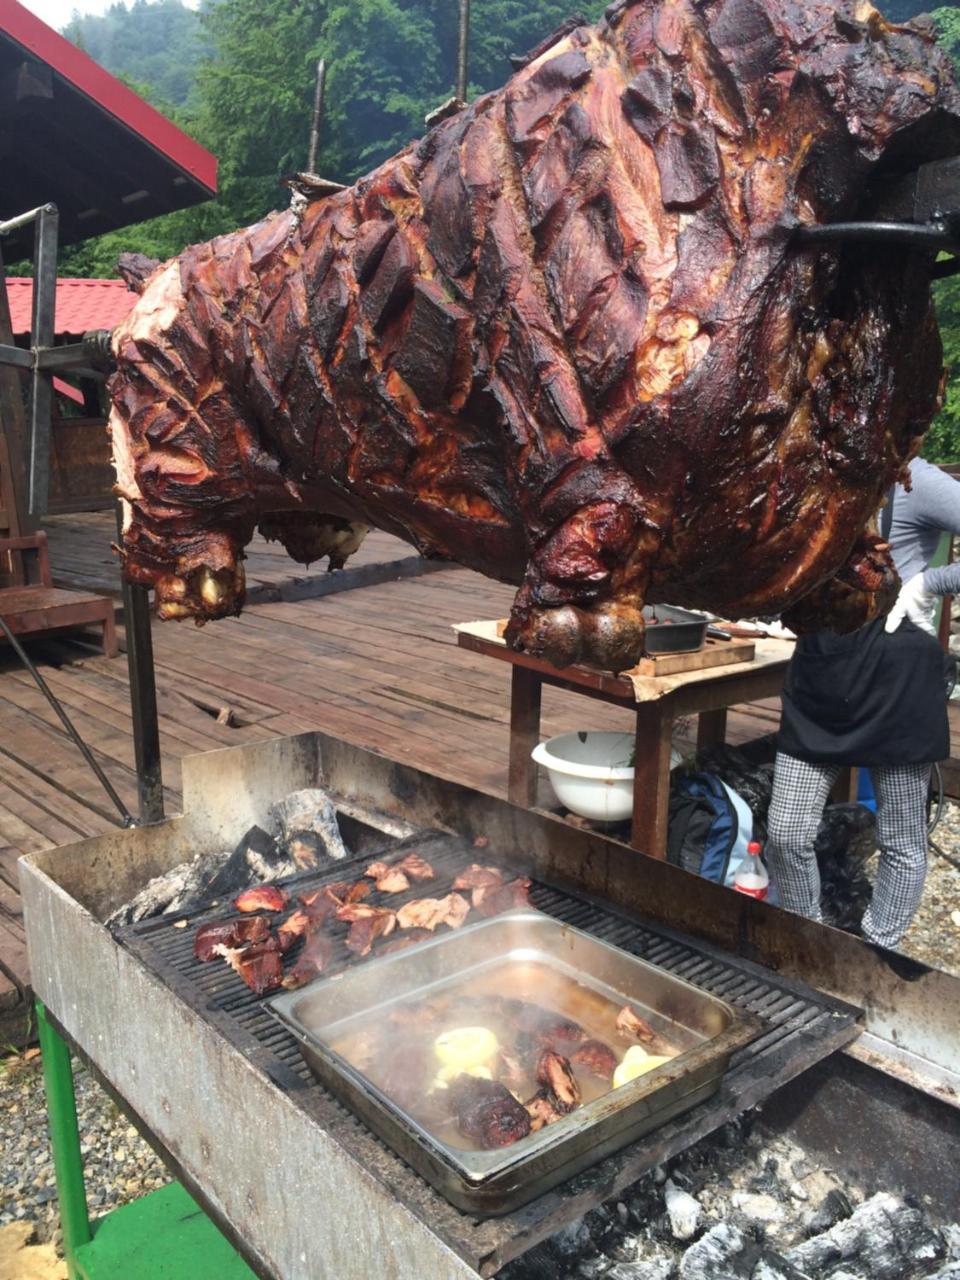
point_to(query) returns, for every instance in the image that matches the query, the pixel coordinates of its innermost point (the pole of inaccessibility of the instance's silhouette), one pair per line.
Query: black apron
(866, 699)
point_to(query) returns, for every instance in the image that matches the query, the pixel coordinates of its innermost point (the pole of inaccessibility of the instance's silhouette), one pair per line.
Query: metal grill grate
(803, 1027)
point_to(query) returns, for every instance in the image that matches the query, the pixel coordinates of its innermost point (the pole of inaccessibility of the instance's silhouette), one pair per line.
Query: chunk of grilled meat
(555, 1074)
(541, 1111)
(493, 899)
(365, 930)
(229, 933)
(596, 1057)
(487, 1112)
(298, 923)
(313, 960)
(477, 877)
(415, 867)
(260, 964)
(393, 881)
(570, 339)
(377, 869)
(428, 913)
(321, 904)
(630, 1026)
(262, 897)
(540, 1028)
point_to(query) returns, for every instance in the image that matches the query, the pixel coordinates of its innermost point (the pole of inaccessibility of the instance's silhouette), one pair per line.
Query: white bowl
(591, 773)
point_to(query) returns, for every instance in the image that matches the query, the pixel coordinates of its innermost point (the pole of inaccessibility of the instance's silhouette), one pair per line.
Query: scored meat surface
(570, 339)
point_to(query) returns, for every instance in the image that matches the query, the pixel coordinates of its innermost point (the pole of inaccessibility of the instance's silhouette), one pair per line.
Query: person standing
(874, 698)
(913, 523)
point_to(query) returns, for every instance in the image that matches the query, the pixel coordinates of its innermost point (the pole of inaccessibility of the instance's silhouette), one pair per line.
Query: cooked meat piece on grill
(477, 877)
(263, 897)
(365, 930)
(493, 900)
(353, 892)
(377, 870)
(353, 911)
(229, 933)
(313, 960)
(428, 913)
(570, 338)
(487, 1112)
(541, 1111)
(596, 1057)
(298, 923)
(416, 868)
(556, 1075)
(409, 938)
(394, 881)
(320, 905)
(260, 964)
(631, 1026)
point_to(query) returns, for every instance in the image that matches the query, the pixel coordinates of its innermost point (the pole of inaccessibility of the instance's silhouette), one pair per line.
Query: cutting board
(715, 653)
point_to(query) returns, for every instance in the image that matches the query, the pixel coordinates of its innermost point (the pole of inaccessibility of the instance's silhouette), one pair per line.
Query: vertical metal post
(143, 695)
(317, 122)
(43, 328)
(64, 1140)
(463, 44)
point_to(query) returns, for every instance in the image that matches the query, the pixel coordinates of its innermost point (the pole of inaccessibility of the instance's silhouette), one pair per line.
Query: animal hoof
(609, 636)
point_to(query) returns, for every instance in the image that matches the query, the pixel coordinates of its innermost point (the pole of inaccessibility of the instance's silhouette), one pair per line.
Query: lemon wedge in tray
(464, 1047)
(637, 1062)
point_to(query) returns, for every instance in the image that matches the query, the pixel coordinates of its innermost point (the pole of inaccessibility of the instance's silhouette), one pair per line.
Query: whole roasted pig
(570, 338)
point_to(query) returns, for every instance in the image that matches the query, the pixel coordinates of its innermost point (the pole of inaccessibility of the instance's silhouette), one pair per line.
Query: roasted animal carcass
(570, 338)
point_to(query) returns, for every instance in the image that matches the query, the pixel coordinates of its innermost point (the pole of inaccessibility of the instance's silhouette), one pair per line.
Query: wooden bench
(32, 605)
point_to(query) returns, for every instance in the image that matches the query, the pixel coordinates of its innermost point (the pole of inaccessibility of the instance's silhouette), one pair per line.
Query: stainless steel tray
(672, 630)
(495, 1182)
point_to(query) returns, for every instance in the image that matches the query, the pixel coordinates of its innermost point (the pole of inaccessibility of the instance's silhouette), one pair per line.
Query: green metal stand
(163, 1236)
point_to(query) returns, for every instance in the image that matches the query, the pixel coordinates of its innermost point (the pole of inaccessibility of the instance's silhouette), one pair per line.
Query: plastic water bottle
(751, 876)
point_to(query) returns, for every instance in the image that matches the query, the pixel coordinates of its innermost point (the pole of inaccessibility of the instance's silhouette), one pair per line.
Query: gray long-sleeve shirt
(920, 518)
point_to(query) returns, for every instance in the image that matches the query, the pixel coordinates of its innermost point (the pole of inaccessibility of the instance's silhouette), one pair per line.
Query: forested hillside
(238, 75)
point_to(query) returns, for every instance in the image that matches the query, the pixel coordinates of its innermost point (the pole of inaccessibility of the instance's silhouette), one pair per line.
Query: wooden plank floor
(82, 555)
(377, 665)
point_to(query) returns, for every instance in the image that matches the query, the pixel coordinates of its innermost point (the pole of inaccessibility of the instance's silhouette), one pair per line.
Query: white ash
(306, 826)
(766, 1210)
(304, 829)
(683, 1210)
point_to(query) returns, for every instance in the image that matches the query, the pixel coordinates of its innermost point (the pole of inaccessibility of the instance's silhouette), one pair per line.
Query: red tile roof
(81, 304)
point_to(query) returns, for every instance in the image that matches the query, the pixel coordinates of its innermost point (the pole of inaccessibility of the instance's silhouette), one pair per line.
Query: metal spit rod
(128, 818)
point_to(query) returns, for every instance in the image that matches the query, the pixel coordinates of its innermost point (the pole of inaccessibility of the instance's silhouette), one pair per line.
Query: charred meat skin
(313, 960)
(541, 1111)
(554, 1073)
(493, 899)
(568, 339)
(229, 933)
(596, 1057)
(263, 897)
(260, 964)
(487, 1112)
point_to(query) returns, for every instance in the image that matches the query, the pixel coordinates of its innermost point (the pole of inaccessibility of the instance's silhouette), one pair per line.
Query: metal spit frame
(133, 1027)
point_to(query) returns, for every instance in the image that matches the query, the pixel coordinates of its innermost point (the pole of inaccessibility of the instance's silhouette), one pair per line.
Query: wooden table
(658, 702)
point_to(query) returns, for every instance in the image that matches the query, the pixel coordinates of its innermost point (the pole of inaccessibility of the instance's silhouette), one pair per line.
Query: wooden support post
(651, 783)
(711, 728)
(526, 691)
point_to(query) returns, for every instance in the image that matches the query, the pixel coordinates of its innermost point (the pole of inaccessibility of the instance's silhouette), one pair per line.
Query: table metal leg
(651, 784)
(526, 690)
(711, 728)
(64, 1140)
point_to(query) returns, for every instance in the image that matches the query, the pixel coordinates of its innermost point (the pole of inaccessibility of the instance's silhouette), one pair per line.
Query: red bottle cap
(754, 847)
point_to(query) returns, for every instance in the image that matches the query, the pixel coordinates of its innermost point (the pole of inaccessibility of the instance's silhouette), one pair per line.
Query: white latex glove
(914, 602)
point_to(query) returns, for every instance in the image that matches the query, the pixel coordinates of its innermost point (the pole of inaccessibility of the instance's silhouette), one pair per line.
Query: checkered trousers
(800, 792)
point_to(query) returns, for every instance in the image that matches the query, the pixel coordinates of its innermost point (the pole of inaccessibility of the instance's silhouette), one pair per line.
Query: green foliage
(159, 42)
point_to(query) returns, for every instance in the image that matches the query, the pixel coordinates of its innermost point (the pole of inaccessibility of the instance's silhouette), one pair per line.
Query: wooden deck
(377, 665)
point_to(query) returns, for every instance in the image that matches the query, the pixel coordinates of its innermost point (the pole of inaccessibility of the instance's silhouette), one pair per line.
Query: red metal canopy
(75, 136)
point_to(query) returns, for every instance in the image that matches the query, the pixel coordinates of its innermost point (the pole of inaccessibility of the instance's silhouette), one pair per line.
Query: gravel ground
(934, 936)
(120, 1166)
